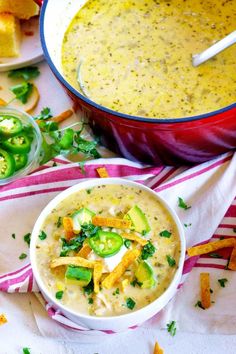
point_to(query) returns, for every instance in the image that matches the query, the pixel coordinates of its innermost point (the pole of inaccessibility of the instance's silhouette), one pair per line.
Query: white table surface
(22, 331)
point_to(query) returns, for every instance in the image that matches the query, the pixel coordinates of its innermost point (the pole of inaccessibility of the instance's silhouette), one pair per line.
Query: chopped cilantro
(211, 291)
(171, 328)
(54, 164)
(130, 303)
(90, 300)
(182, 204)
(88, 191)
(73, 244)
(148, 251)
(42, 235)
(87, 147)
(127, 243)
(116, 292)
(136, 282)
(89, 230)
(22, 91)
(171, 261)
(27, 238)
(144, 232)
(44, 114)
(48, 126)
(165, 233)
(26, 350)
(59, 295)
(23, 256)
(13, 236)
(187, 225)
(88, 289)
(27, 73)
(222, 282)
(215, 255)
(199, 304)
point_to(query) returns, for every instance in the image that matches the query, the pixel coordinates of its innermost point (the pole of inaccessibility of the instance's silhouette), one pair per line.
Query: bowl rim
(167, 294)
(26, 169)
(108, 110)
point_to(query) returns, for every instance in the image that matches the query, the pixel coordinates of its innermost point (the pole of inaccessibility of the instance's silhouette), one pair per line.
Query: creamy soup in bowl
(108, 253)
(134, 56)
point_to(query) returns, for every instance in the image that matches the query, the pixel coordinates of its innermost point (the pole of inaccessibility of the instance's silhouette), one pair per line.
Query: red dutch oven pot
(179, 141)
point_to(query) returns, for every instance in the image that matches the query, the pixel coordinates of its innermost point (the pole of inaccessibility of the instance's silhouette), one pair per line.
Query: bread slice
(22, 9)
(9, 35)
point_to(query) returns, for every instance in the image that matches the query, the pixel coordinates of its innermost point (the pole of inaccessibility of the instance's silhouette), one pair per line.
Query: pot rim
(166, 295)
(107, 110)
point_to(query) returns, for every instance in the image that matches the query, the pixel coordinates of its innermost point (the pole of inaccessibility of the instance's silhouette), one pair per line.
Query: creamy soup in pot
(134, 56)
(108, 250)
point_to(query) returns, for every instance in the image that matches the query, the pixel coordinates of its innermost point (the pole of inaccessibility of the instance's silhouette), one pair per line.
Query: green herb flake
(88, 289)
(187, 225)
(171, 328)
(42, 235)
(23, 256)
(59, 222)
(144, 232)
(59, 295)
(130, 303)
(148, 251)
(22, 91)
(127, 243)
(215, 255)
(116, 292)
(54, 164)
(171, 261)
(27, 73)
(165, 233)
(182, 204)
(136, 282)
(26, 350)
(13, 236)
(27, 238)
(44, 114)
(90, 300)
(88, 191)
(199, 304)
(211, 291)
(222, 282)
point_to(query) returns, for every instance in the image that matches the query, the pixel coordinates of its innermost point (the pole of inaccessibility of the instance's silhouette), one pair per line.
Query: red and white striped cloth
(209, 188)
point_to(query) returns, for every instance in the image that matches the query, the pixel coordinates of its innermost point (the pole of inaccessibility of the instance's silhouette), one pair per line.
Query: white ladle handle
(215, 49)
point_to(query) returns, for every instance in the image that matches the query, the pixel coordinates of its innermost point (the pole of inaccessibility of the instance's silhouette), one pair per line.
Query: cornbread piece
(21, 9)
(9, 36)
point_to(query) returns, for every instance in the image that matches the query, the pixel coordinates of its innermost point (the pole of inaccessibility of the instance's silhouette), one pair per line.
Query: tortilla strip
(157, 349)
(84, 251)
(33, 101)
(3, 319)
(97, 274)
(134, 237)
(111, 222)
(68, 227)
(205, 290)
(119, 270)
(232, 261)
(62, 116)
(102, 172)
(76, 261)
(211, 247)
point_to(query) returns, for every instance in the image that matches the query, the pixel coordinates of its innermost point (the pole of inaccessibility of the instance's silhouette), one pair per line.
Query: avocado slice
(145, 275)
(81, 217)
(138, 219)
(78, 275)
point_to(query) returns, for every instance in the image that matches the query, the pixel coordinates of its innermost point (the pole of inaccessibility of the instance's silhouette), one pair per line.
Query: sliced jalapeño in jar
(105, 243)
(10, 126)
(17, 144)
(7, 164)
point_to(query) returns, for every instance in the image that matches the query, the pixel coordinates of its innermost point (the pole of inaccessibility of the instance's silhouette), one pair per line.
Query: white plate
(30, 51)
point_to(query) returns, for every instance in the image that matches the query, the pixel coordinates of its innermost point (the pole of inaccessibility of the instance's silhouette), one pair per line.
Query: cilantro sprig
(27, 73)
(148, 251)
(22, 91)
(171, 328)
(182, 204)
